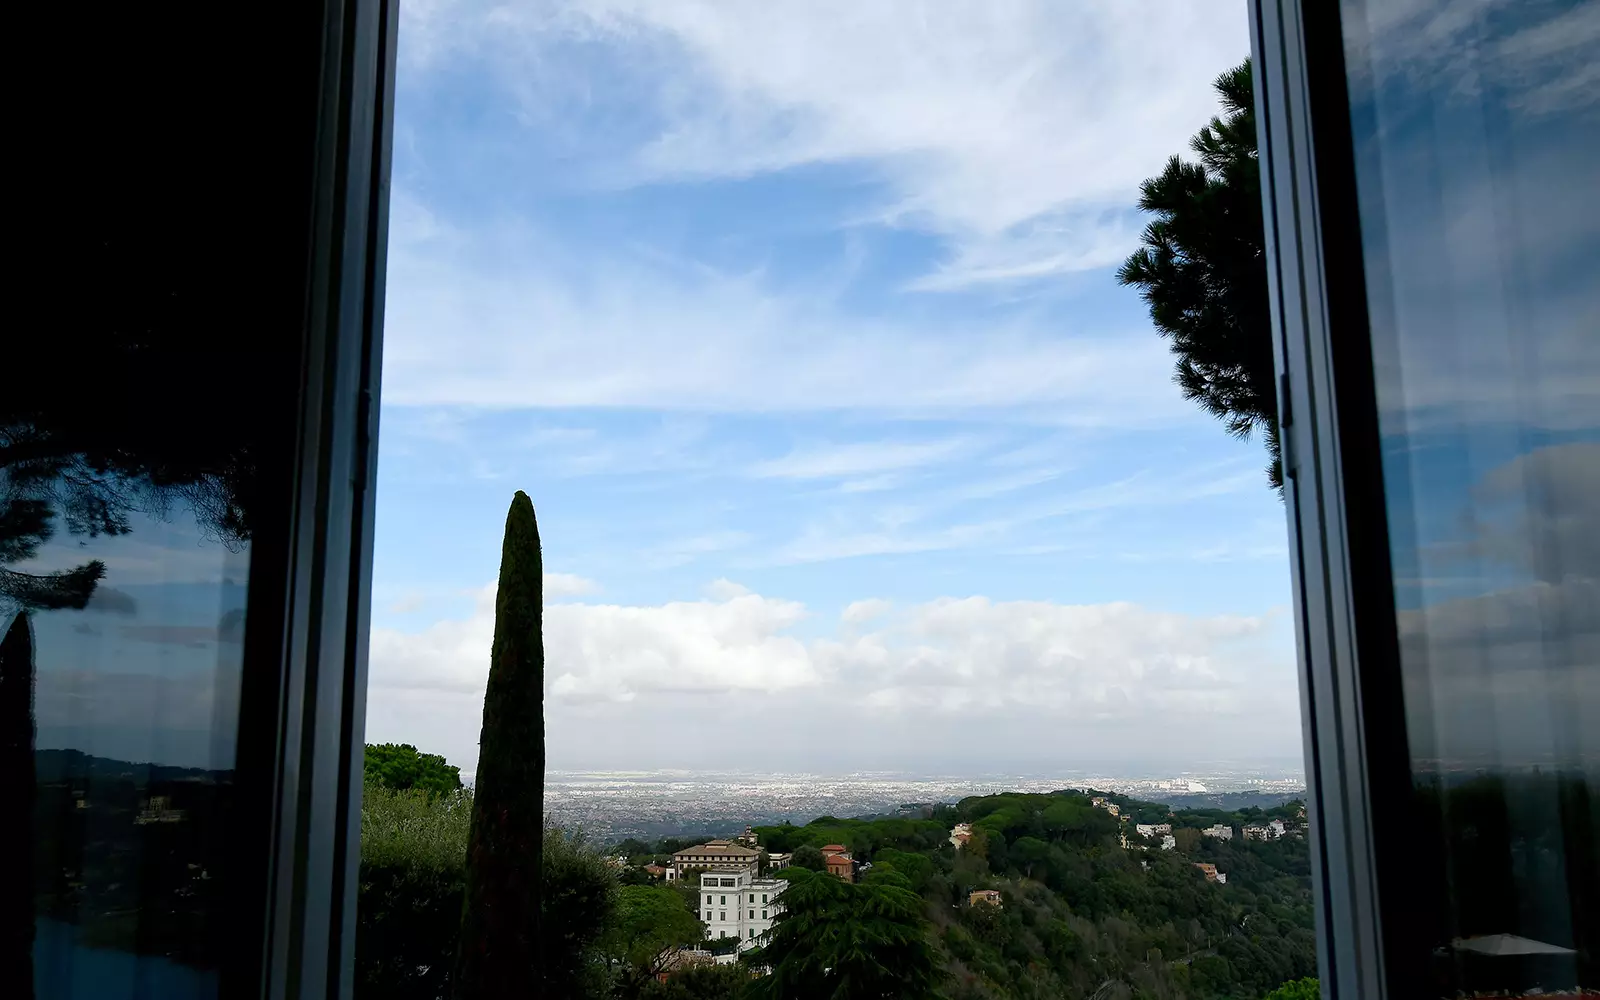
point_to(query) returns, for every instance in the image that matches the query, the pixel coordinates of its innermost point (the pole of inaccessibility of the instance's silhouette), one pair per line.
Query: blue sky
(798, 321)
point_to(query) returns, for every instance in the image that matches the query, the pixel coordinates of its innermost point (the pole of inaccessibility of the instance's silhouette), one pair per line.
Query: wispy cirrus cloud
(860, 458)
(1019, 130)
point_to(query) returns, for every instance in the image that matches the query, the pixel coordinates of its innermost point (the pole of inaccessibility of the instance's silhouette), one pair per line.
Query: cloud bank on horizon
(818, 298)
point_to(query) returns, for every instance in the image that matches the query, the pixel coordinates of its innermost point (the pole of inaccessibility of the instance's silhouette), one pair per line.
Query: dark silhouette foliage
(1203, 270)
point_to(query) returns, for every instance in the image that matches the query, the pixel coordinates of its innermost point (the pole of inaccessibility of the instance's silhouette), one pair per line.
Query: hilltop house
(1153, 829)
(988, 897)
(1168, 842)
(779, 861)
(840, 863)
(1221, 831)
(738, 904)
(1211, 873)
(716, 855)
(1264, 831)
(1101, 802)
(960, 834)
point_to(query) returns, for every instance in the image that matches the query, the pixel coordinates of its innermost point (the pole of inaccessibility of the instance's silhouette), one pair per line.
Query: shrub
(408, 918)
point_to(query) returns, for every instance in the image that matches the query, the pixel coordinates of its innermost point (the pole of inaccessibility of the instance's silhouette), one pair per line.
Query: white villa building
(738, 904)
(1153, 829)
(1221, 831)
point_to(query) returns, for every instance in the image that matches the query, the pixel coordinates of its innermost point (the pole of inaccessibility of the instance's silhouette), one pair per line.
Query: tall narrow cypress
(500, 939)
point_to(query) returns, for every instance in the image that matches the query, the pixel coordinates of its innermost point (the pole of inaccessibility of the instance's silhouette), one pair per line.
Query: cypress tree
(500, 934)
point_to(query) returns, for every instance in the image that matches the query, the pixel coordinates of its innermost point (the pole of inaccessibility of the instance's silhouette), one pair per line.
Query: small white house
(1221, 831)
(1153, 829)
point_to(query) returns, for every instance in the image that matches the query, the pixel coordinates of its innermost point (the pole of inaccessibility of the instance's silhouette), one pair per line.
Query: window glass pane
(146, 406)
(1477, 139)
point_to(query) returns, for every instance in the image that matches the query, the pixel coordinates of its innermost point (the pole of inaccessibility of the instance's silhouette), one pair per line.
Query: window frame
(1352, 706)
(302, 724)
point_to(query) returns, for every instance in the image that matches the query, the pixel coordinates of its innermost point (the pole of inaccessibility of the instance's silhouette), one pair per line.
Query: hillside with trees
(1080, 915)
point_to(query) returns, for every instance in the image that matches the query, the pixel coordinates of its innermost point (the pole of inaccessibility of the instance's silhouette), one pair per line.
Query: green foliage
(413, 845)
(578, 898)
(708, 982)
(861, 836)
(808, 857)
(402, 766)
(1300, 989)
(500, 936)
(1080, 913)
(843, 941)
(412, 881)
(649, 921)
(1203, 271)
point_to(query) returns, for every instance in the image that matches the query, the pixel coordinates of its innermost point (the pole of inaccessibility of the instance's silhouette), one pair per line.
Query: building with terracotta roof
(839, 862)
(718, 856)
(1211, 873)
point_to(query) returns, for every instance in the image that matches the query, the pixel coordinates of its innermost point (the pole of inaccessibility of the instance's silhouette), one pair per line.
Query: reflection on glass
(1477, 133)
(135, 411)
(123, 561)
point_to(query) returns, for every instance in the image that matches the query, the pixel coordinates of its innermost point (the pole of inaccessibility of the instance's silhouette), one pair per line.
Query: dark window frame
(1356, 752)
(302, 725)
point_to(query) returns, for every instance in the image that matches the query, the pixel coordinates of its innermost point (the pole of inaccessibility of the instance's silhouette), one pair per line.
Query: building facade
(840, 863)
(721, 856)
(738, 904)
(1221, 831)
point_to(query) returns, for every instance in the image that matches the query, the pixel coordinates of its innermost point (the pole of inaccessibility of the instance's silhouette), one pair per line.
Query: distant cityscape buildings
(1221, 831)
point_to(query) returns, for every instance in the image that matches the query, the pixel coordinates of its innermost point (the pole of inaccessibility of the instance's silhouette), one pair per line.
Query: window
(752, 914)
(1442, 365)
(723, 915)
(752, 897)
(763, 897)
(724, 900)
(161, 712)
(708, 898)
(763, 914)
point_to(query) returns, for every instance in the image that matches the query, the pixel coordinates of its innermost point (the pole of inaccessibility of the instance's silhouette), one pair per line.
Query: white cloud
(568, 585)
(1020, 129)
(625, 668)
(857, 612)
